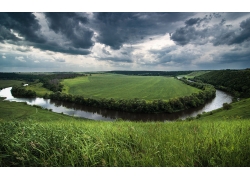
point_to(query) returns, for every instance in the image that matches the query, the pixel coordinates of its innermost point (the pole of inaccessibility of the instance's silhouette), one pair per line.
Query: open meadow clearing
(38, 88)
(10, 83)
(127, 87)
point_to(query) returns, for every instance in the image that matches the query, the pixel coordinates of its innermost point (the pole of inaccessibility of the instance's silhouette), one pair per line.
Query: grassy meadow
(31, 136)
(193, 74)
(10, 83)
(127, 87)
(38, 88)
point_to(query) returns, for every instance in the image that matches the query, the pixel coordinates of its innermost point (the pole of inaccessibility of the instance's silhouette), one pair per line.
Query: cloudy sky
(86, 41)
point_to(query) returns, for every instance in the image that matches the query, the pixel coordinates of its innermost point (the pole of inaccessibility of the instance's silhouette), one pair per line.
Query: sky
(103, 41)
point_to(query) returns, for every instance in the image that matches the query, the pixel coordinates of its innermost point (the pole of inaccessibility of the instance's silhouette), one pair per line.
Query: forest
(236, 82)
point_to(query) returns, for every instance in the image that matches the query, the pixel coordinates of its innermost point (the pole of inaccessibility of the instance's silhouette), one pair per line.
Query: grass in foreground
(127, 87)
(57, 140)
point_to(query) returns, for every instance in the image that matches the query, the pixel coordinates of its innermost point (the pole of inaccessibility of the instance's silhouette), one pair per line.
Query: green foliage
(22, 92)
(38, 88)
(236, 82)
(227, 106)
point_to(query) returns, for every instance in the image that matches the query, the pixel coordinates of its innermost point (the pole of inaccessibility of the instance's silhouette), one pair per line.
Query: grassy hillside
(127, 87)
(239, 110)
(19, 111)
(43, 138)
(10, 83)
(38, 88)
(193, 74)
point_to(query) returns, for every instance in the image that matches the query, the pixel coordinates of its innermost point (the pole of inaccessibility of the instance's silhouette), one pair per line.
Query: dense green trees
(236, 82)
(50, 81)
(21, 92)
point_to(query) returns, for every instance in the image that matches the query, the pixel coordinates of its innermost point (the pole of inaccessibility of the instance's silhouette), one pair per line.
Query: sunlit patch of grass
(38, 88)
(127, 87)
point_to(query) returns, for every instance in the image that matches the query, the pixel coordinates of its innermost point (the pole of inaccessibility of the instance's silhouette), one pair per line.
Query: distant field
(127, 87)
(9, 83)
(193, 74)
(40, 91)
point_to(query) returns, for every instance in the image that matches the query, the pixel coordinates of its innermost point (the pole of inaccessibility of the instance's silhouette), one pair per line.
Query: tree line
(151, 73)
(50, 81)
(236, 82)
(141, 105)
(132, 105)
(21, 92)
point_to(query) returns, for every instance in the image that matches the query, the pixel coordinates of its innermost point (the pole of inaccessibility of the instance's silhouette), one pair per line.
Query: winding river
(110, 115)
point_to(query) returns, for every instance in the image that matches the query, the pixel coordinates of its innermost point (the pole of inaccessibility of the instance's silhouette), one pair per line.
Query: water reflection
(110, 115)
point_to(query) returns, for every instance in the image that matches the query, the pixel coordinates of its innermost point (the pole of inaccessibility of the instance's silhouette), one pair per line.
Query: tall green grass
(125, 144)
(127, 87)
(30, 136)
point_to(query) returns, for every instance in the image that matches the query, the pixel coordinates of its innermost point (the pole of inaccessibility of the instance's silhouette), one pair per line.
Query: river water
(111, 115)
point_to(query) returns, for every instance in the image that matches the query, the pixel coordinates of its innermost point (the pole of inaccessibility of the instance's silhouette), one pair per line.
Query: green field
(40, 91)
(127, 87)
(193, 74)
(35, 137)
(10, 83)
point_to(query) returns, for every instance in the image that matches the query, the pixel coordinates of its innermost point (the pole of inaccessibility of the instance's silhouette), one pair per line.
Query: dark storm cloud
(230, 37)
(192, 21)
(24, 24)
(189, 34)
(27, 26)
(115, 29)
(71, 25)
(235, 57)
(5, 34)
(221, 33)
(56, 48)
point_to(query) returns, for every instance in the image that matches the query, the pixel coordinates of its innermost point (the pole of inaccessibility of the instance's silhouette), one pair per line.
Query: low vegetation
(33, 136)
(37, 137)
(127, 87)
(141, 105)
(38, 88)
(10, 83)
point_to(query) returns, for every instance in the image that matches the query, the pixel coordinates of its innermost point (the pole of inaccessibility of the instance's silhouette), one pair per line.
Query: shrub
(227, 106)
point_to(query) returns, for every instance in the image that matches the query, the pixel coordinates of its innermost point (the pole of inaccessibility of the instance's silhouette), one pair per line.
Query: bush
(227, 106)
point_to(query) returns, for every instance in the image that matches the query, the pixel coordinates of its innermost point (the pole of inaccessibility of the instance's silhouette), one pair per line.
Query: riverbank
(31, 136)
(110, 115)
(37, 137)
